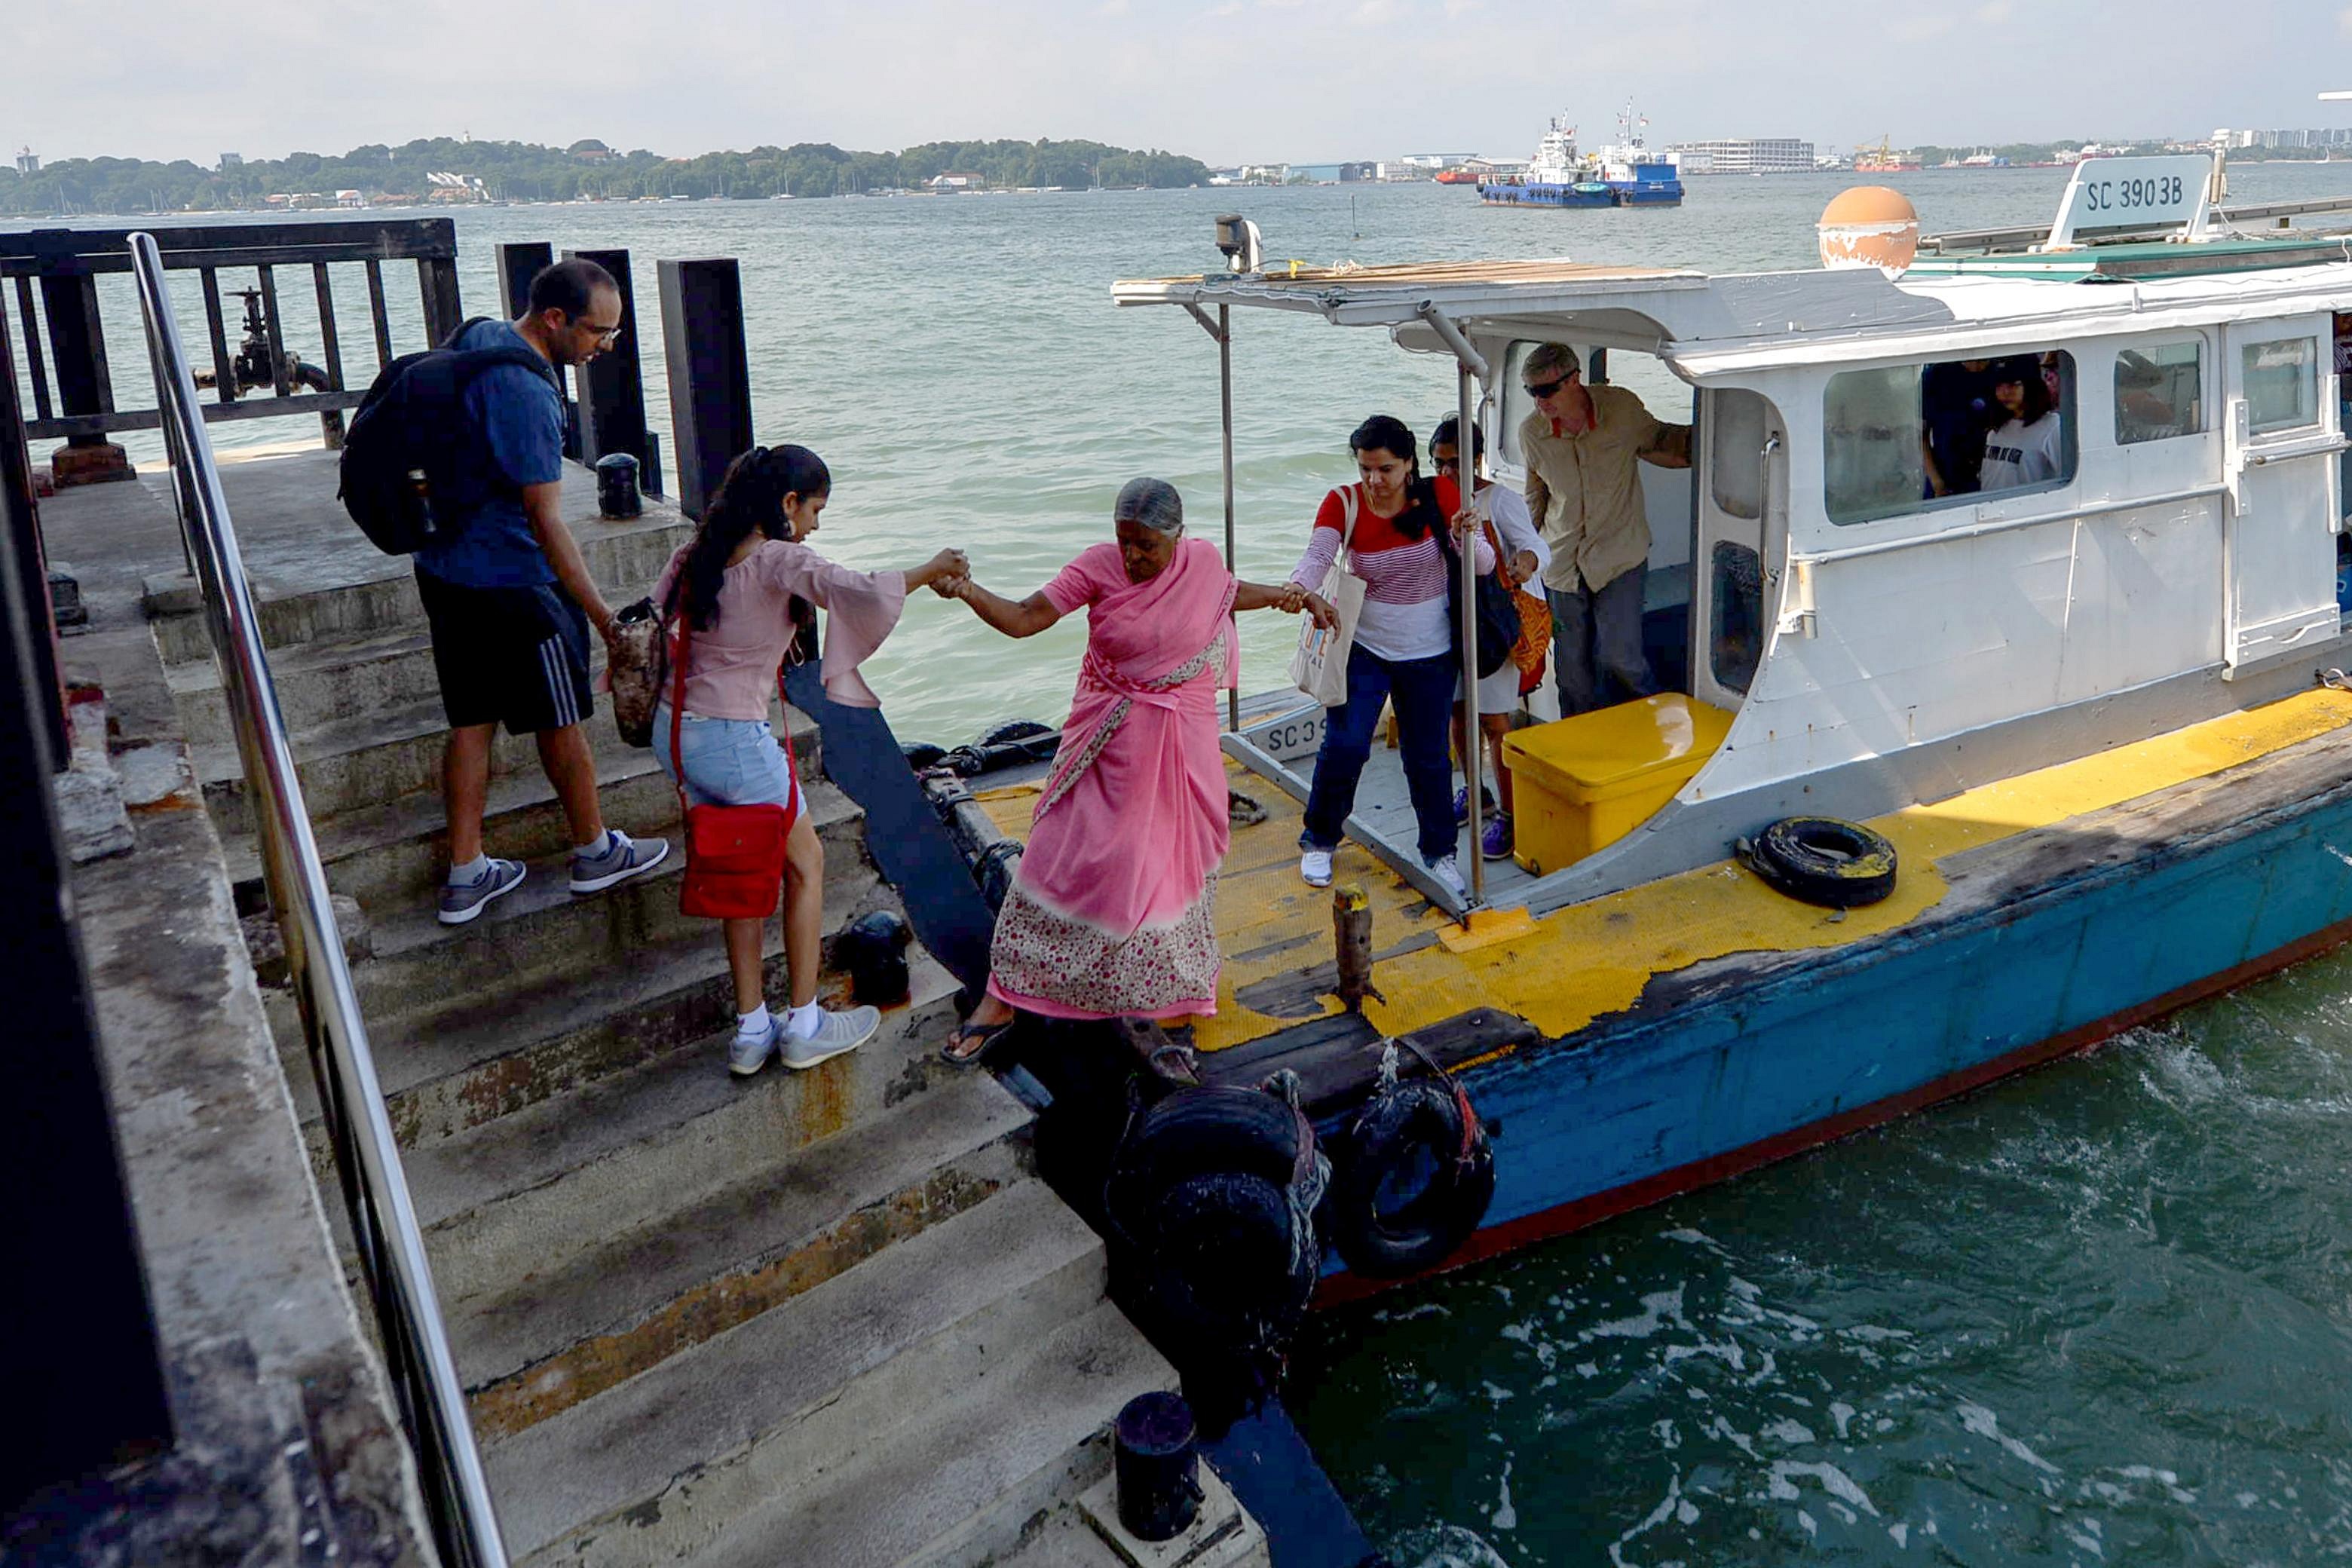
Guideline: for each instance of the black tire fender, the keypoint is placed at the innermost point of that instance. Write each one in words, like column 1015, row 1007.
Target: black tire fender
column 1414, row 1179
column 1014, row 729
column 1823, row 860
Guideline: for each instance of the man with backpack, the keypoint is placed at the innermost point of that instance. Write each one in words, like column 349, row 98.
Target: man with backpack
column 505, row 589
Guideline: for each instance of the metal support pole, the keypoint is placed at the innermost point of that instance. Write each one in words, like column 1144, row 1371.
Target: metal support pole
column 1226, row 397
column 1473, row 734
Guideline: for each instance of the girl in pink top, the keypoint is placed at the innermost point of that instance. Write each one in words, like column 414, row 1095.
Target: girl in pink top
column 734, row 583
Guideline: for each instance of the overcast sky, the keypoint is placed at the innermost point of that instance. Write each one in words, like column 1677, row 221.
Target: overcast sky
column 1225, row 80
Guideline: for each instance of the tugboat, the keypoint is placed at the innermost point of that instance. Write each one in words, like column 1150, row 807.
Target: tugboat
column 1624, row 173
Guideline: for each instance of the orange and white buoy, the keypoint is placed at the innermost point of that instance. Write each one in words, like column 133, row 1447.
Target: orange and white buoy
column 1869, row 226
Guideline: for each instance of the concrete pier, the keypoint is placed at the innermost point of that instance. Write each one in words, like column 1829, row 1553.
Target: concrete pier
column 828, row 1318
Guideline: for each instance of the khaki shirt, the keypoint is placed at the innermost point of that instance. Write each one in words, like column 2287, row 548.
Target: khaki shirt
column 1585, row 491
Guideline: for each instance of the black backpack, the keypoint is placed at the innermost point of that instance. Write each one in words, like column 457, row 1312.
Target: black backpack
column 415, row 465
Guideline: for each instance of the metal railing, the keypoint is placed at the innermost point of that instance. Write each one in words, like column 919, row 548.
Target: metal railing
column 367, row 1159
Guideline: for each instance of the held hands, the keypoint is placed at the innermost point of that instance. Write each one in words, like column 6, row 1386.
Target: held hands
column 1296, row 599
column 944, row 573
column 1320, row 610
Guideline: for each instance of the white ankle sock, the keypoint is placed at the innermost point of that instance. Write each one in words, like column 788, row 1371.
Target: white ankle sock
column 803, row 1021
column 596, row 846
column 754, row 1023
column 467, row 875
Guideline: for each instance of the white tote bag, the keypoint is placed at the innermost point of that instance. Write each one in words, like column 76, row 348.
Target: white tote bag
column 1319, row 667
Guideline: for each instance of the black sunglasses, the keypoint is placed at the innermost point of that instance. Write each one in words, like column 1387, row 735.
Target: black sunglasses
column 1546, row 388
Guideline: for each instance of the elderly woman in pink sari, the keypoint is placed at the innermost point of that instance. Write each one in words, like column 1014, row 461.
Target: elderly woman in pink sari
column 1112, row 911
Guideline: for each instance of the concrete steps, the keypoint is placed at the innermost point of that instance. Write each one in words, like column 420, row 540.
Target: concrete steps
column 535, row 1345
column 509, row 1196
column 826, row 1317
column 374, row 595
column 423, row 969
column 386, row 848
column 787, row 1440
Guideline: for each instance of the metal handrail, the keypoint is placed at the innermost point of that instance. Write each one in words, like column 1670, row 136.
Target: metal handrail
column 384, row 1220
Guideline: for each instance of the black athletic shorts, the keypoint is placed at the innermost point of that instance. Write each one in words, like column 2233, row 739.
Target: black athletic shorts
column 517, row 656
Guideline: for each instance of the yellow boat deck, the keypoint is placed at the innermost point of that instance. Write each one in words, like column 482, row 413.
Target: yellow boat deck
column 1561, row 971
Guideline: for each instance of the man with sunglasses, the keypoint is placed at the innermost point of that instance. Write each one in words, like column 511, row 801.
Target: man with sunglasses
column 510, row 600
column 1582, row 445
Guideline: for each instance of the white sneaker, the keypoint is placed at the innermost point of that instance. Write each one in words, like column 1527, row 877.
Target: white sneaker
column 747, row 1054
column 1315, row 868
column 836, row 1033
column 1449, row 874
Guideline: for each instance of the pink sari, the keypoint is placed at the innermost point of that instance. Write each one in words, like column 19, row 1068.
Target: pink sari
column 1113, row 908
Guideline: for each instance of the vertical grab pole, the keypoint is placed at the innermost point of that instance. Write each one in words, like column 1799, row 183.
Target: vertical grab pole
column 1474, row 737
column 1225, row 394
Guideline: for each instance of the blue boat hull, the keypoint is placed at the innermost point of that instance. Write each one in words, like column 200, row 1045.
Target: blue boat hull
column 1723, row 1076
column 1615, row 194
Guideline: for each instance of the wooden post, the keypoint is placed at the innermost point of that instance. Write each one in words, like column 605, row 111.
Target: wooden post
column 612, row 385
column 519, row 263
column 709, row 373
column 436, row 283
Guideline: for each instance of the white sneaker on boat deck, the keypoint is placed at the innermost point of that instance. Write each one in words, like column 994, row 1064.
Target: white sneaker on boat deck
column 1315, row 868
column 621, row 859
column 1449, row 873
column 748, row 1053
column 836, row 1033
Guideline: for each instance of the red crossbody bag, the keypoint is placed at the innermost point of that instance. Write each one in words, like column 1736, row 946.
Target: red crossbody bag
column 734, row 854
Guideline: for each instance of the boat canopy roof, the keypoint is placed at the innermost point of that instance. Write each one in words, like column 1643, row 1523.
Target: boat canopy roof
column 1706, row 325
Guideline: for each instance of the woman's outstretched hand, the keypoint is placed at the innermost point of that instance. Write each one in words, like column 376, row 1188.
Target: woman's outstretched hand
column 946, row 566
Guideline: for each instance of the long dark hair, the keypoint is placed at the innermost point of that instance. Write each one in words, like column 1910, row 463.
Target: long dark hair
column 751, row 499
column 1387, row 433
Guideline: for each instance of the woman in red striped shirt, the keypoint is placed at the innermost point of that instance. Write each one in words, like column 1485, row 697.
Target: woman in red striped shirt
column 1403, row 652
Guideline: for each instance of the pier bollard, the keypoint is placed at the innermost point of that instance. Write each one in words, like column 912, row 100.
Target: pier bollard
column 617, row 486
column 1156, row 1468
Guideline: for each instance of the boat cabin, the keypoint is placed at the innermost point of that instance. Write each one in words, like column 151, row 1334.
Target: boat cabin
column 2150, row 540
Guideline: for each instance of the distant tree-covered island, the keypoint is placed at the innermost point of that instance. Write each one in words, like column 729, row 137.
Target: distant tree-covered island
column 448, row 169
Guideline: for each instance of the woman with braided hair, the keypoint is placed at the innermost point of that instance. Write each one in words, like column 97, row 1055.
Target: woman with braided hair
column 734, row 584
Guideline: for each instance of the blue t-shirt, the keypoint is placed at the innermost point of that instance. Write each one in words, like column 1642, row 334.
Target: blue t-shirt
column 522, row 414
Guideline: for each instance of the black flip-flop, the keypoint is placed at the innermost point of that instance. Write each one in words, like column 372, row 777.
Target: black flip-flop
column 987, row 1034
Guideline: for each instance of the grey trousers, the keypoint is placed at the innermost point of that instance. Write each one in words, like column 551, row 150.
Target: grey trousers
column 1596, row 644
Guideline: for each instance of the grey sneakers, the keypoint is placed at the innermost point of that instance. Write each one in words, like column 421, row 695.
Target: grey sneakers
column 836, row 1033
column 747, row 1054
column 462, row 903
column 621, row 859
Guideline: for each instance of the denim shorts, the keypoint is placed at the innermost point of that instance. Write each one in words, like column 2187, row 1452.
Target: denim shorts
column 729, row 762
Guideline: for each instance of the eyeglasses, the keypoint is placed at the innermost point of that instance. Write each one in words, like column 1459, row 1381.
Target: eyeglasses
column 1449, row 464
column 604, row 335
column 1546, row 388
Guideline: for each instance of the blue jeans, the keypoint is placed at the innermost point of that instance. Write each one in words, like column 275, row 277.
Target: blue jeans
column 1423, row 692
column 1596, row 644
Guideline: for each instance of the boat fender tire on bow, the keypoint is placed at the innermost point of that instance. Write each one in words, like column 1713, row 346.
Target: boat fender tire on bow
column 1822, row 860
column 1415, row 1176
column 1212, row 1197
column 921, row 755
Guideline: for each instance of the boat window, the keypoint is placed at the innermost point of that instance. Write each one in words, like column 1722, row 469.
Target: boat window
column 2281, row 380
column 1736, row 639
column 1735, row 462
column 2159, row 393
column 1912, row 438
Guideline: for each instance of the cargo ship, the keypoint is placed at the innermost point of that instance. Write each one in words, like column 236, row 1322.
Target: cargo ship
column 1625, row 174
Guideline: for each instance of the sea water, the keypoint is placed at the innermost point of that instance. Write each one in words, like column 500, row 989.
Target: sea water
column 2101, row 1314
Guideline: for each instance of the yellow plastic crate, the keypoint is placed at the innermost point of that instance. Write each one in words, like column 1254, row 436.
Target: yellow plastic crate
column 1582, row 782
